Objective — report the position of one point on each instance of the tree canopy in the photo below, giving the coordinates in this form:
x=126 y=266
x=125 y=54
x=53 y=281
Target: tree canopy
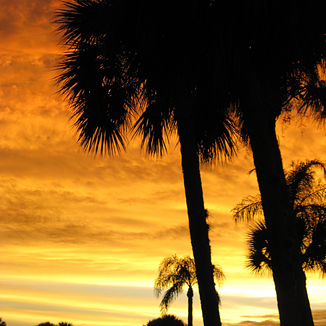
x=308 y=197
x=166 y=320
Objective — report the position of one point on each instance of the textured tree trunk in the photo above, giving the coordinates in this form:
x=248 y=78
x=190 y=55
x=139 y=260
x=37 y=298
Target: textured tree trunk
x=289 y=278
x=197 y=222
x=190 y=295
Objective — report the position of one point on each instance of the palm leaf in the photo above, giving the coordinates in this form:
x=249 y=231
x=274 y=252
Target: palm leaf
x=300 y=178
x=249 y=208
x=100 y=83
x=259 y=259
x=170 y=295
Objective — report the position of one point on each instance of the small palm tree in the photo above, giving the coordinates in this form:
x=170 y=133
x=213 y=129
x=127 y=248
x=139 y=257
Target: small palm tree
x=174 y=274
x=308 y=200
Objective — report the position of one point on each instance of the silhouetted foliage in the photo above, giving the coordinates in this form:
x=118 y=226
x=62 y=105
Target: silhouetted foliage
x=125 y=63
x=166 y=320
x=2 y=323
x=176 y=273
x=273 y=54
x=61 y=323
x=308 y=197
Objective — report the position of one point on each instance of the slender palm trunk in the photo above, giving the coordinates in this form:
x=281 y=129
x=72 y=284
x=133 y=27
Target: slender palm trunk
x=197 y=221
x=190 y=295
x=290 y=286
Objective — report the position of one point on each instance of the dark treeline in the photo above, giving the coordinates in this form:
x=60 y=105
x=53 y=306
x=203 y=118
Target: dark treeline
x=61 y=323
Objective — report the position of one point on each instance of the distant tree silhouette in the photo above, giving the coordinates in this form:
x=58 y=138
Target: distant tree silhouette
x=2 y=323
x=308 y=197
x=176 y=273
x=61 y=323
x=166 y=320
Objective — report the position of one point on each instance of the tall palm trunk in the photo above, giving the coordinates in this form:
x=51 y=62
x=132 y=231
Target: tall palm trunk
x=190 y=295
x=197 y=221
x=289 y=278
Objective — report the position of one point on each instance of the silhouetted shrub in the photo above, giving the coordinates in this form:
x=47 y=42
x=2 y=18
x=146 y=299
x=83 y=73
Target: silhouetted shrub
x=2 y=323
x=166 y=320
x=47 y=323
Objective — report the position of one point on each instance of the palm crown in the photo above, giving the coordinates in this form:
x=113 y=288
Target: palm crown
x=176 y=273
x=113 y=75
x=308 y=197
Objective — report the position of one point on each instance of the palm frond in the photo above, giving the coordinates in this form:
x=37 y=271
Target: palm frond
x=219 y=275
x=314 y=258
x=300 y=177
x=99 y=82
x=316 y=195
x=155 y=127
x=259 y=259
x=170 y=295
x=217 y=132
x=249 y=208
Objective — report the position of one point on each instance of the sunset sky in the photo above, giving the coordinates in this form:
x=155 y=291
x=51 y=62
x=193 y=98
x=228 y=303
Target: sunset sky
x=82 y=235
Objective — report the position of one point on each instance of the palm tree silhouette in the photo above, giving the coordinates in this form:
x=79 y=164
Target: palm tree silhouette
x=308 y=197
x=176 y=273
x=273 y=54
x=257 y=56
x=124 y=63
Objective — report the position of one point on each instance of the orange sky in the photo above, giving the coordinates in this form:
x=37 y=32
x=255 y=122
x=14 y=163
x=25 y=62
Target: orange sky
x=82 y=236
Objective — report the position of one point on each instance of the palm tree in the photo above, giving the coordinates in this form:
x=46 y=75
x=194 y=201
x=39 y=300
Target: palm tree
x=272 y=55
x=258 y=57
x=308 y=197
x=125 y=63
x=176 y=273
